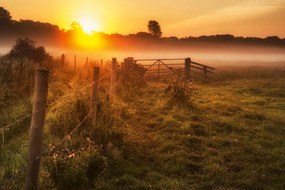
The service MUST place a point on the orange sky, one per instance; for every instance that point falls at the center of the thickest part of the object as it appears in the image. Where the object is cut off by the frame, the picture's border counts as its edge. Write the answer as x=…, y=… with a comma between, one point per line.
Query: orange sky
x=181, y=18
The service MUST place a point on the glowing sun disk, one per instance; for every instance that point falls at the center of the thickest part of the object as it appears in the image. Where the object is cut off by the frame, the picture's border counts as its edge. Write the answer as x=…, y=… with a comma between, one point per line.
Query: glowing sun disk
x=88, y=26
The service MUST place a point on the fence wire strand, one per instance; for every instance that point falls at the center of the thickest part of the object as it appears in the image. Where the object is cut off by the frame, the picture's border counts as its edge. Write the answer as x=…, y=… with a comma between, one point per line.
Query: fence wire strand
x=60, y=99
x=63, y=98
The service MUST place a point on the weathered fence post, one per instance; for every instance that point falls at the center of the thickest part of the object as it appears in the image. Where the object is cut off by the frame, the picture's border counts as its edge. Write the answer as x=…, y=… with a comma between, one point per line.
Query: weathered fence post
x=114, y=78
x=101, y=62
x=93, y=98
x=62, y=60
x=74, y=66
x=187, y=68
x=37, y=130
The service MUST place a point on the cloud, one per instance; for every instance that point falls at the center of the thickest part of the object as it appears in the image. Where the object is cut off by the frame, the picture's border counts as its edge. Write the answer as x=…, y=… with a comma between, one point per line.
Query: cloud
x=233, y=19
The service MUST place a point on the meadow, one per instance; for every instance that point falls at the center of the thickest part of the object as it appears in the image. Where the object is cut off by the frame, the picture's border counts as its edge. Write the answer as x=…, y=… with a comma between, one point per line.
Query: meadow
x=229, y=134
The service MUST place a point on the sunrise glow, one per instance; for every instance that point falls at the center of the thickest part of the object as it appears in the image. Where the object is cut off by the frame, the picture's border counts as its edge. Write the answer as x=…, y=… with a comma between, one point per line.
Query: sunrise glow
x=180, y=18
x=88, y=25
x=83, y=39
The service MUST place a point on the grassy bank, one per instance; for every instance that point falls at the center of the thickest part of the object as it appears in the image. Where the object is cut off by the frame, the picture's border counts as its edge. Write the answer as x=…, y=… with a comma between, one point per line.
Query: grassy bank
x=229, y=136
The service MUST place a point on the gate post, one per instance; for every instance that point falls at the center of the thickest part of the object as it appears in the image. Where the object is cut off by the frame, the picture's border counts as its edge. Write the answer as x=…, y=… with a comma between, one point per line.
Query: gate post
x=62, y=60
x=187, y=68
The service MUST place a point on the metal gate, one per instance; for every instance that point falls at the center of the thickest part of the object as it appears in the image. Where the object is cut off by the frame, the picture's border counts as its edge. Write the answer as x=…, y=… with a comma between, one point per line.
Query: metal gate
x=160, y=69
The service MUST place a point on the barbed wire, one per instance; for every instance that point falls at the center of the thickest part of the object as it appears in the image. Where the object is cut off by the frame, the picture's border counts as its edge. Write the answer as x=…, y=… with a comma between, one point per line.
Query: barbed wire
x=61, y=99
x=68, y=136
x=105, y=76
x=14, y=123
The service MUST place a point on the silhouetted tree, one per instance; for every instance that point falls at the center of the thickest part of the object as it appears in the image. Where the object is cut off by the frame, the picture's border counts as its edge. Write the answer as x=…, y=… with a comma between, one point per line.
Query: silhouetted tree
x=154, y=28
x=75, y=26
x=5, y=16
x=26, y=48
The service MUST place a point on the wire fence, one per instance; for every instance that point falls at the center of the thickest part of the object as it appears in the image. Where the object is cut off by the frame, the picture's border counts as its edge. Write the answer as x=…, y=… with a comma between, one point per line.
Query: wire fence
x=61, y=99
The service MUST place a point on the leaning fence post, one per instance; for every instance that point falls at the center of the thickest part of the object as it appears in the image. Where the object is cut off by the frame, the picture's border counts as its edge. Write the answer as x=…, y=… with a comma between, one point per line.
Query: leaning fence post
x=114, y=78
x=187, y=68
x=62, y=60
x=37, y=130
x=93, y=98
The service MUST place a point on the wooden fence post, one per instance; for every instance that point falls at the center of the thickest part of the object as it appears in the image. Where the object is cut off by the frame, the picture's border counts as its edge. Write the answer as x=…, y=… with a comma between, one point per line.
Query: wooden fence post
x=37, y=130
x=187, y=68
x=62, y=60
x=74, y=63
x=114, y=78
x=93, y=98
x=101, y=62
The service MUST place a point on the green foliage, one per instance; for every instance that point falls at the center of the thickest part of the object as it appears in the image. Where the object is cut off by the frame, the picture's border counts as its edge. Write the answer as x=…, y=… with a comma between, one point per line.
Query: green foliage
x=106, y=131
x=12, y=160
x=231, y=137
x=180, y=89
x=70, y=114
x=17, y=68
x=17, y=76
x=68, y=169
x=131, y=78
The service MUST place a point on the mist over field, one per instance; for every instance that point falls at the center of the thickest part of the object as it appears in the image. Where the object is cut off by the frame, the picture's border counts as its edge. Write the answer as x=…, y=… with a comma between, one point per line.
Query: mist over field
x=220, y=56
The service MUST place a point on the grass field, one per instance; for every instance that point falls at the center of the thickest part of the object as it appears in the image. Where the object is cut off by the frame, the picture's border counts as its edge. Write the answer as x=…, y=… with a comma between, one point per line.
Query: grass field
x=231, y=135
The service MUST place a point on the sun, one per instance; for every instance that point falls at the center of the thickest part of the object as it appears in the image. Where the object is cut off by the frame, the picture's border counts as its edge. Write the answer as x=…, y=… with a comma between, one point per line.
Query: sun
x=88, y=25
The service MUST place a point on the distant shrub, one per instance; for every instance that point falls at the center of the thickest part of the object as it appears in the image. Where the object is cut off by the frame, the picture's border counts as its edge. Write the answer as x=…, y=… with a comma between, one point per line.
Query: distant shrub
x=17, y=67
x=180, y=89
x=27, y=48
x=131, y=77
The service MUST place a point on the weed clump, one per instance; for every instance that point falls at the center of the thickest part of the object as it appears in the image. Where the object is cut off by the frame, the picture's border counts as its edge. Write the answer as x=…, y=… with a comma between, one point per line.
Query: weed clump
x=67, y=169
x=180, y=90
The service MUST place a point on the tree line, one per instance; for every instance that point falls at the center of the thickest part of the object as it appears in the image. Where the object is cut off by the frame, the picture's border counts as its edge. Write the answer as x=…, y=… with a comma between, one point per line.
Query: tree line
x=52, y=33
